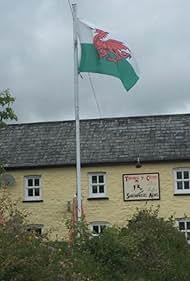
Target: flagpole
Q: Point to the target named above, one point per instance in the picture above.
(77, 121)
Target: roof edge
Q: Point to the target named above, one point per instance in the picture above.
(102, 118)
(112, 163)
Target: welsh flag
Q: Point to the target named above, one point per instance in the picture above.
(102, 53)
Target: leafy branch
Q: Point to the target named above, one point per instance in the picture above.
(6, 111)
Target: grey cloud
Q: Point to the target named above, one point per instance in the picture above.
(36, 57)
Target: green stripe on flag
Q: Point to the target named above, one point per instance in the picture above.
(122, 69)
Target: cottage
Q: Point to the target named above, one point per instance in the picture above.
(127, 163)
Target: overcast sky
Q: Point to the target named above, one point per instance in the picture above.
(36, 58)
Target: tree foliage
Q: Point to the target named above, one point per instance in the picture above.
(24, 255)
(149, 248)
(6, 111)
(155, 247)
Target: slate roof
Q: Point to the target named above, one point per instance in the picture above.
(103, 141)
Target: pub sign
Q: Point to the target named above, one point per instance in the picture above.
(141, 186)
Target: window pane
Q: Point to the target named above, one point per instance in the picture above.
(30, 182)
(37, 182)
(38, 231)
(94, 179)
(179, 175)
(186, 184)
(101, 188)
(188, 235)
(102, 227)
(95, 229)
(186, 174)
(179, 185)
(188, 224)
(181, 225)
(30, 192)
(94, 189)
(101, 179)
(37, 192)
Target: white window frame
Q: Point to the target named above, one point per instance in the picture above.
(27, 187)
(101, 226)
(98, 194)
(186, 230)
(182, 180)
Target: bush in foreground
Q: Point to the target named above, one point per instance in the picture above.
(147, 249)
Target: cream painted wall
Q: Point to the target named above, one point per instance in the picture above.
(59, 187)
(57, 190)
(117, 211)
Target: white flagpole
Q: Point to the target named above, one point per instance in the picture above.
(77, 123)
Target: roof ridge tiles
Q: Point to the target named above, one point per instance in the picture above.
(102, 118)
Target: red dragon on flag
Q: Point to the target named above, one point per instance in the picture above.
(112, 49)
